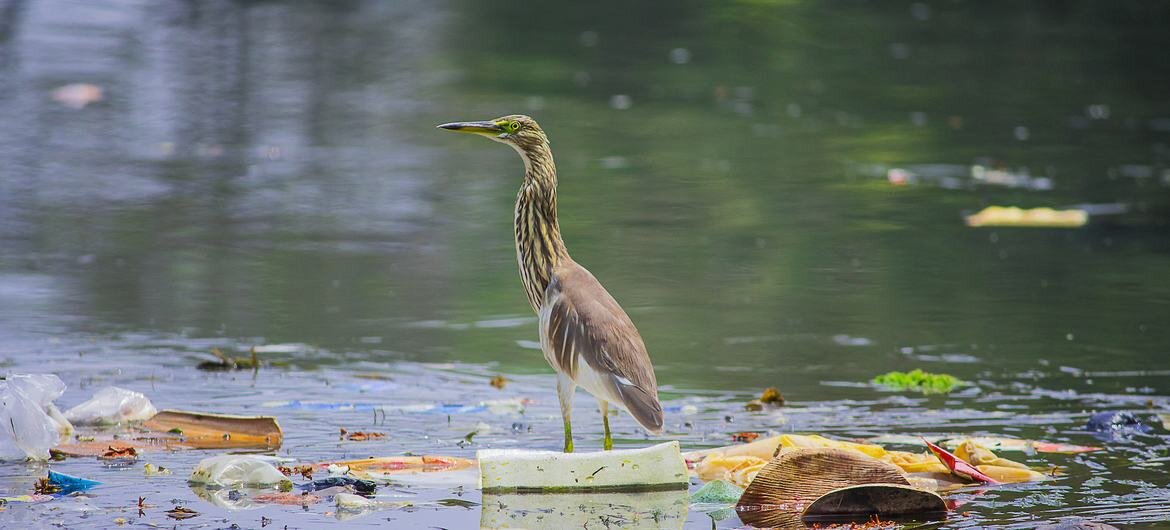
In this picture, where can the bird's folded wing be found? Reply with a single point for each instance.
(582, 323)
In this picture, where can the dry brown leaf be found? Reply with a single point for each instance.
(112, 452)
(362, 436)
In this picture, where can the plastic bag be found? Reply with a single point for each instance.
(231, 471)
(112, 405)
(29, 423)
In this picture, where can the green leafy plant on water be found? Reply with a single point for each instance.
(918, 380)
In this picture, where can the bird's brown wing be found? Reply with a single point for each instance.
(588, 336)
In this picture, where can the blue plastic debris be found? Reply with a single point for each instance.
(70, 483)
(1116, 424)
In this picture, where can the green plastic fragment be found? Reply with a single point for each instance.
(918, 380)
(717, 492)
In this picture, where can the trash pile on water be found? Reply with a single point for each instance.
(784, 480)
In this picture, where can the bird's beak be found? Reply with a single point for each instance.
(474, 127)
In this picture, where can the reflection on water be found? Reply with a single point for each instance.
(777, 185)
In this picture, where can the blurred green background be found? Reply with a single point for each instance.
(776, 188)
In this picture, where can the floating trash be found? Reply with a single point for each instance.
(654, 468)
(717, 492)
(199, 430)
(238, 470)
(110, 406)
(1113, 425)
(67, 484)
(790, 488)
(30, 424)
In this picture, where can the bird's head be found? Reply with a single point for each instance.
(519, 131)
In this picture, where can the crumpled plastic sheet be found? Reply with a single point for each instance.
(29, 422)
(112, 405)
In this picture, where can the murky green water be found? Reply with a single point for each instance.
(268, 173)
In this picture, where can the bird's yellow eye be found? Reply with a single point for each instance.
(513, 126)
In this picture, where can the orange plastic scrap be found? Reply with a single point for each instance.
(404, 464)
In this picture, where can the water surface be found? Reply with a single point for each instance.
(268, 173)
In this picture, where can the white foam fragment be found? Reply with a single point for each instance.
(659, 467)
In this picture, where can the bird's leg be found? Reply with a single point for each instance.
(607, 441)
(565, 389)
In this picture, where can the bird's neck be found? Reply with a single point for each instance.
(539, 247)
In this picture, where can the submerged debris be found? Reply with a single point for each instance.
(305, 471)
(180, 513)
(223, 362)
(918, 380)
(152, 470)
(1116, 424)
(364, 487)
(499, 382)
(769, 398)
(119, 453)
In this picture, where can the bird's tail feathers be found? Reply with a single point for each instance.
(642, 404)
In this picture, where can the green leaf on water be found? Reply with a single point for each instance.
(919, 380)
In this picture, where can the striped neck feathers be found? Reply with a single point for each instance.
(539, 247)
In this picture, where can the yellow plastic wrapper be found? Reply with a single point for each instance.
(738, 470)
(798, 441)
(739, 464)
(916, 462)
(1011, 474)
(1042, 217)
(977, 455)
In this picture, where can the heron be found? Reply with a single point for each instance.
(587, 338)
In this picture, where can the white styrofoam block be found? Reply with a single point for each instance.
(658, 467)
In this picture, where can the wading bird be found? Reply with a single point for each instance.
(586, 336)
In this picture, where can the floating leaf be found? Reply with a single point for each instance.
(918, 380)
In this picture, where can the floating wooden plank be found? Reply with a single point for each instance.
(198, 430)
